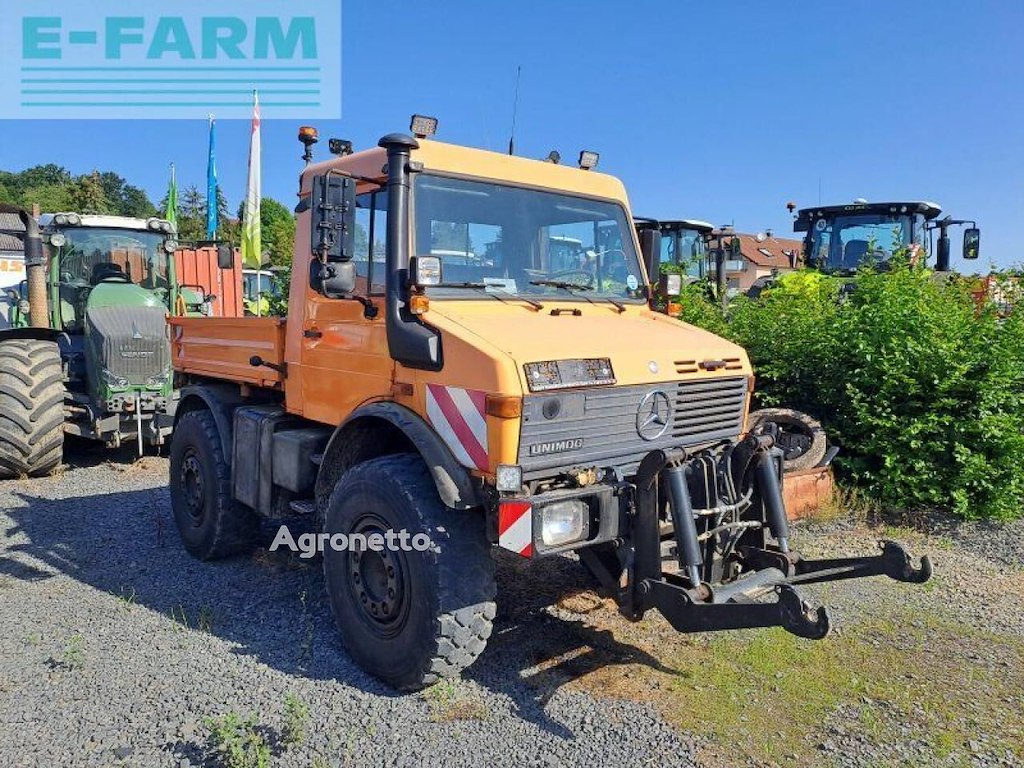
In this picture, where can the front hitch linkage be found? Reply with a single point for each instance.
(692, 606)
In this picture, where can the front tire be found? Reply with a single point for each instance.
(211, 523)
(31, 408)
(408, 617)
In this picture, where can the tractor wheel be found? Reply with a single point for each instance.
(801, 437)
(211, 523)
(410, 616)
(31, 408)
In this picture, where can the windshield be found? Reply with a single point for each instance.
(684, 248)
(848, 242)
(253, 283)
(509, 240)
(92, 255)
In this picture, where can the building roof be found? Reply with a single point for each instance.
(772, 253)
(11, 243)
(11, 222)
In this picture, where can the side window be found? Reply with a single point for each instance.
(371, 223)
(668, 248)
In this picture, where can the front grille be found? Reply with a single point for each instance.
(600, 426)
(129, 342)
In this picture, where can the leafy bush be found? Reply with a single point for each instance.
(920, 384)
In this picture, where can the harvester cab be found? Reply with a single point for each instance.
(840, 239)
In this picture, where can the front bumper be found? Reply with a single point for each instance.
(702, 538)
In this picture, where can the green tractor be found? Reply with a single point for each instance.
(86, 351)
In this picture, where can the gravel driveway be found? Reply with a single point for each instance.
(116, 648)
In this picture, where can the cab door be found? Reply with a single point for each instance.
(345, 359)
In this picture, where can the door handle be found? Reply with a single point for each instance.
(312, 333)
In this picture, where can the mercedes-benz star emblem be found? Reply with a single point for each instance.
(654, 415)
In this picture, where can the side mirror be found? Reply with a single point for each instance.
(650, 250)
(333, 227)
(972, 242)
(335, 280)
(225, 256)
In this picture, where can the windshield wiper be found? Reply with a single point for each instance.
(574, 287)
(499, 295)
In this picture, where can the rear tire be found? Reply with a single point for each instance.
(802, 438)
(211, 523)
(410, 617)
(31, 408)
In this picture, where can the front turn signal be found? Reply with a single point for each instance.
(673, 309)
(418, 305)
(504, 406)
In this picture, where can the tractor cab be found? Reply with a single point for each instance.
(840, 239)
(110, 286)
(684, 244)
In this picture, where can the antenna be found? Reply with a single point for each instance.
(515, 109)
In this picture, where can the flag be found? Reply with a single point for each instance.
(211, 184)
(252, 242)
(171, 214)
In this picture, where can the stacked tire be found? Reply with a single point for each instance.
(31, 408)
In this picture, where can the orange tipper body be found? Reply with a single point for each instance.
(337, 359)
(469, 356)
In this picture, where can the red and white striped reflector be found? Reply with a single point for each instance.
(515, 527)
(460, 418)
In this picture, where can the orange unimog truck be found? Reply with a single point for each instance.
(469, 358)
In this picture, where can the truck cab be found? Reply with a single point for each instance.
(525, 398)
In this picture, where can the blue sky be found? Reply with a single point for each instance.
(721, 111)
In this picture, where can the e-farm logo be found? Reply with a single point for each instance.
(69, 59)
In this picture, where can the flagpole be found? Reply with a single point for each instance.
(252, 242)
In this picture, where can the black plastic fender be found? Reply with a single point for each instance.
(221, 401)
(381, 428)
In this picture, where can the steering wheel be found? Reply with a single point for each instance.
(113, 276)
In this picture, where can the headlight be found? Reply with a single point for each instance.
(60, 219)
(57, 240)
(156, 381)
(23, 306)
(113, 380)
(427, 270)
(564, 522)
(509, 478)
(170, 245)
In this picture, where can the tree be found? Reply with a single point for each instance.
(87, 195)
(278, 227)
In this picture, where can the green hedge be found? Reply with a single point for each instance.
(920, 385)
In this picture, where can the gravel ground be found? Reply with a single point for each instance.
(116, 648)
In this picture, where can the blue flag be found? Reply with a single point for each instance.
(211, 185)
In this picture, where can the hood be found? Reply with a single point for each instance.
(643, 346)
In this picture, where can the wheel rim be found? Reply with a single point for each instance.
(378, 581)
(793, 441)
(192, 485)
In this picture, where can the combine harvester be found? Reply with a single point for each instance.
(85, 348)
(523, 399)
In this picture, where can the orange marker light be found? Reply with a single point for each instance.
(418, 305)
(504, 406)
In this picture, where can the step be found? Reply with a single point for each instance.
(302, 506)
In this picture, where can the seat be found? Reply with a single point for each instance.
(854, 252)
